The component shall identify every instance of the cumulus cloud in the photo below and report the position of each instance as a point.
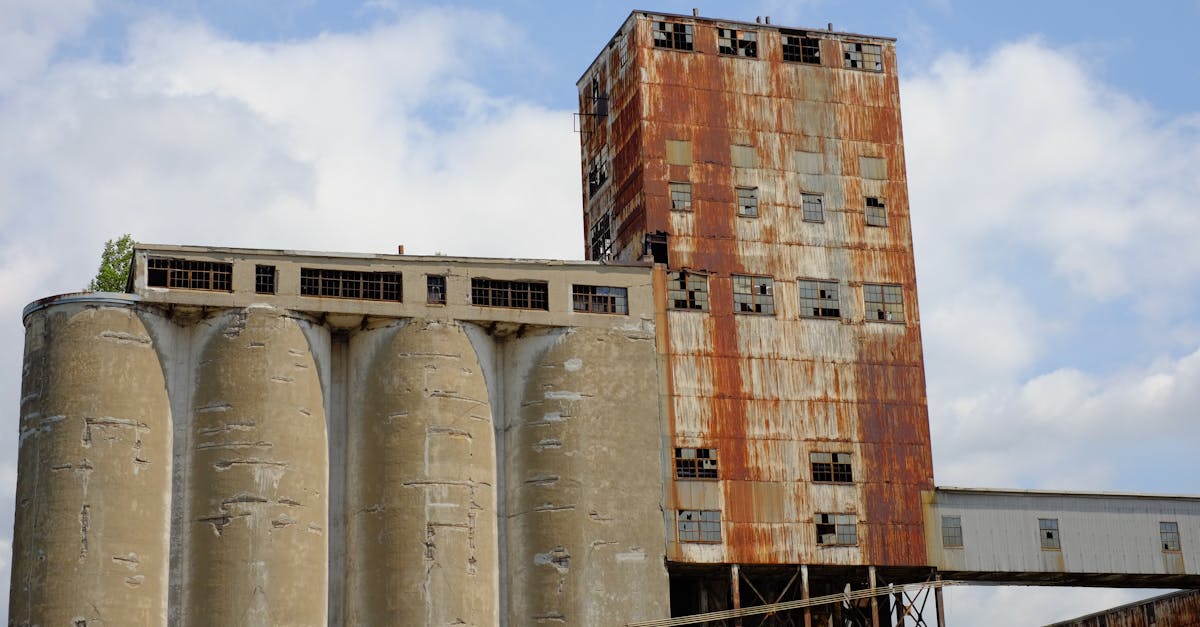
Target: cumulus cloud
(30, 31)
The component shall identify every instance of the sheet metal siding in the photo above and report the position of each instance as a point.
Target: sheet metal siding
(1180, 609)
(1115, 534)
(764, 390)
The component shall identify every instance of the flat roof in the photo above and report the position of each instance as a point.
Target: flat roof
(1060, 493)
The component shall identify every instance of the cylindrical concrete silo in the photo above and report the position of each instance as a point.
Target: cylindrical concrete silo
(420, 481)
(256, 487)
(94, 473)
(584, 482)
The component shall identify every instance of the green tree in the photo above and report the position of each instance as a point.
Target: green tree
(114, 265)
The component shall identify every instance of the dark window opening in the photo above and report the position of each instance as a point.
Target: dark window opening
(435, 289)
(264, 279)
(952, 532)
(695, 463)
(597, 174)
(687, 290)
(737, 43)
(884, 303)
(1048, 533)
(350, 284)
(754, 294)
(831, 468)
(875, 211)
(600, 299)
(836, 529)
(699, 525)
(656, 246)
(797, 47)
(187, 274)
(672, 36)
(867, 57)
(510, 294)
(819, 299)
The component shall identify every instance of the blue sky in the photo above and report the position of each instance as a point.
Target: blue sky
(1052, 151)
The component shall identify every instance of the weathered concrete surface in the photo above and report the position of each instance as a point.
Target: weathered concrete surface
(421, 544)
(257, 486)
(94, 475)
(585, 525)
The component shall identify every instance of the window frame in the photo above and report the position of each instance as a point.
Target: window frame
(797, 47)
(681, 36)
(693, 288)
(836, 524)
(1049, 534)
(888, 308)
(745, 46)
(875, 212)
(681, 188)
(855, 56)
(701, 465)
(266, 279)
(815, 303)
(747, 203)
(948, 539)
(501, 293)
(352, 284)
(761, 294)
(177, 273)
(600, 299)
(1169, 544)
(433, 283)
(805, 197)
(838, 468)
(707, 523)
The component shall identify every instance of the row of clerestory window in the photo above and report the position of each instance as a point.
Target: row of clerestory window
(819, 298)
(795, 46)
(702, 464)
(812, 205)
(1049, 538)
(704, 526)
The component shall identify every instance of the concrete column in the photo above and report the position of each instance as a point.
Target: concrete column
(421, 543)
(874, 598)
(937, 597)
(805, 595)
(94, 471)
(735, 591)
(257, 488)
(585, 539)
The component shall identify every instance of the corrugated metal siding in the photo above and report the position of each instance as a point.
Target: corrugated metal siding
(768, 390)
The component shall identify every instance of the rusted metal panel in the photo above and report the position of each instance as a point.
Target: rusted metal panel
(767, 390)
(1178, 609)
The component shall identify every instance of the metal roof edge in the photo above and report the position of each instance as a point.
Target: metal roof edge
(1079, 494)
(101, 298)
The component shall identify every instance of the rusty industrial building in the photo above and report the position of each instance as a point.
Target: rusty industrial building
(718, 417)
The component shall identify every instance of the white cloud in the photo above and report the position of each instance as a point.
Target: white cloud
(30, 30)
(1004, 606)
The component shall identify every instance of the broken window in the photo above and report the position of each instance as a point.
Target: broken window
(350, 284)
(1048, 534)
(819, 299)
(699, 525)
(737, 43)
(671, 35)
(754, 294)
(435, 289)
(597, 173)
(867, 57)
(875, 211)
(952, 532)
(695, 463)
(679, 152)
(831, 468)
(884, 302)
(601, 238)
(797, 47)
(874, 168)
(687, 290)
(600, 299)
(264, 279)
(814, 207)
(681, 196)
(655, 245)
(1170, 535)
(189, 275)
(747, 202)
(511, 294)
(836, 529)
